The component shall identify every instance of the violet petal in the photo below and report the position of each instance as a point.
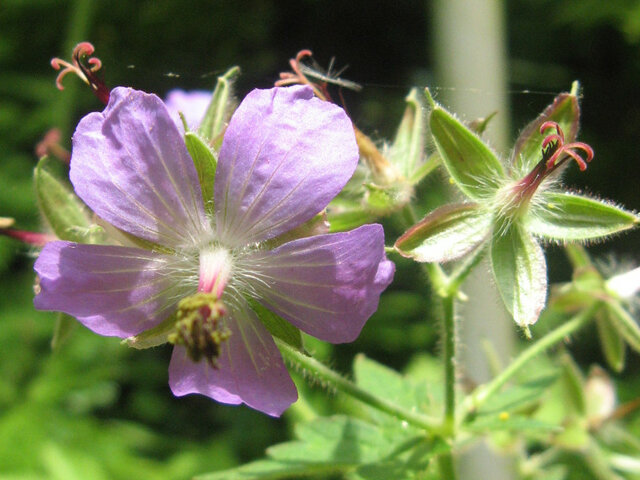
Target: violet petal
(114, 291)
(327, 285)
(130, 164)
(250, 369)
(285, 155)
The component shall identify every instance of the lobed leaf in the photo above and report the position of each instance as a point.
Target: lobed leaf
(569, 217)
(520, 271)
(472, 165)
(447, 233)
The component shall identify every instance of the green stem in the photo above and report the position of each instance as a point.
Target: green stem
(341, 384)
(449, 364)
(482, 393)
(446, 466)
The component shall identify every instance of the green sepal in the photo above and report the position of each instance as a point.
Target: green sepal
(472, 165)
(447, 233)
(479, 125)
(277, 326)
(220, 109)
(63, 210)
(565, 111)
(154, 336)
(64, 327)
(611, 341)
(520, 271)
(569, 217)
(407, 150)
(205, 162)
(624, 323)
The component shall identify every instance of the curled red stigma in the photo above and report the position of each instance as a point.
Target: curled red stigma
(555, 151)
(84, 66)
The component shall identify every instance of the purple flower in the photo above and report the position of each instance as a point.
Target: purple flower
(285, 155)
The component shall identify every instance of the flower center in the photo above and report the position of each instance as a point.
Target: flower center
(199, 327)
(216, 264)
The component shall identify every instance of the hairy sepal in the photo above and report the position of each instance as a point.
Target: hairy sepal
(520, 271)
(407, 151)
(447, 233)
(471, 164)
(569, 217)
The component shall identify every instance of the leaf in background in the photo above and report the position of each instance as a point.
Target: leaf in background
(626, 326)
(65, 325)
(471, 164)
(447, 233)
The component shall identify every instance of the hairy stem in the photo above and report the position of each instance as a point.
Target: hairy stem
(341, 384)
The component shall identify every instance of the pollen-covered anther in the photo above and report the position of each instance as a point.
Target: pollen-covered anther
(200, 327)
(556, 152)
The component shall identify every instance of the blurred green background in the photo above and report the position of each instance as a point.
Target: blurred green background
(94, 409)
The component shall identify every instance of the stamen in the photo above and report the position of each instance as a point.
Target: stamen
(199, 327)
(84, 66)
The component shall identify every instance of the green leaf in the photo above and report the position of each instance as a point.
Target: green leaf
(513, 423)
(275, 470)
(611, 341)
(220, 109)
(518, 397)
(569, 217)
(624, 324)
(472, 165)
(407, 151)
(521, 273)
(565, 111)
(337, 440)
(384, 382)
(349, 219)
(277, 326)
(64, 211)
(447, 233)
(205, 163)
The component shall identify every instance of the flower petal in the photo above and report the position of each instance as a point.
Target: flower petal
(327, 285)
(130, 165)
(250, 369)
(285, 155)
(114, 291)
